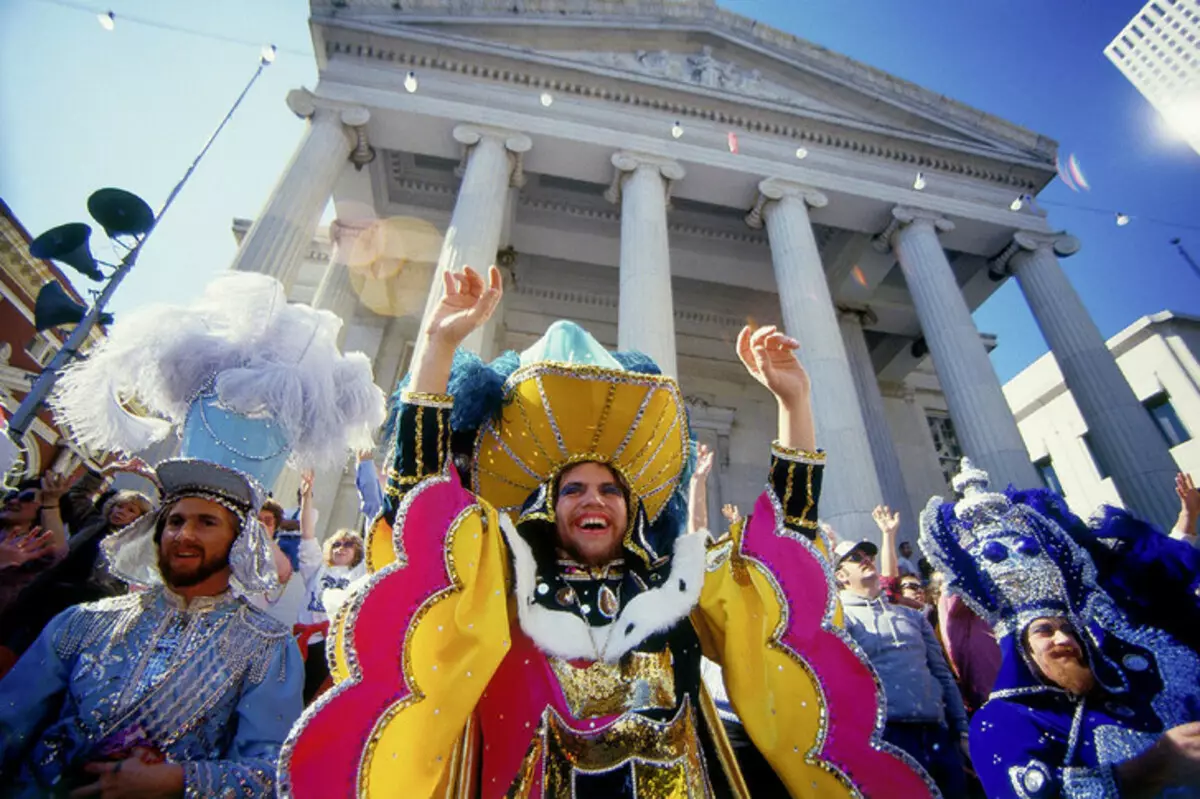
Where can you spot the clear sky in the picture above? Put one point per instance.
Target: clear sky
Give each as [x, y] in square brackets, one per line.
[82, 108]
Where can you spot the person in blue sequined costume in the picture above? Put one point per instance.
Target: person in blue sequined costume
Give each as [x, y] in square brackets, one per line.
[1087, 703]
[183, 689]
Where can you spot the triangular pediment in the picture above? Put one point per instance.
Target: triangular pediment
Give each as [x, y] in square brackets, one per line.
[729, 64]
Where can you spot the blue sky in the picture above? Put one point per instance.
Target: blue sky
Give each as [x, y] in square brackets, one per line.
[81, 108]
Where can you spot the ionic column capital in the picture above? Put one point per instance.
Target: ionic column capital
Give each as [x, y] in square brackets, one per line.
[904, 216]
[515, 143]
[1062, 245]
[775, 189]
[354, 118]
[626, 163]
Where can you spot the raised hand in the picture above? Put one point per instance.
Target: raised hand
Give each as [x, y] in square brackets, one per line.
[17, 550]
[731, 513]
[887, 520]
[1189, 497]
[769, 356]
[54, 485]
[704, 463]
[465, 306]
[306, 483]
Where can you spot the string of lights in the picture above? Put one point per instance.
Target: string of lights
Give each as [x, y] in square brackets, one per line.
[109, 19]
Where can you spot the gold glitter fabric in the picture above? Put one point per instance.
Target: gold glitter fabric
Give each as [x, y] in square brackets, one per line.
[664, 757]
[641, 681]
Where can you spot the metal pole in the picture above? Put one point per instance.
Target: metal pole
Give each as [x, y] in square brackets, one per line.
[41, 388]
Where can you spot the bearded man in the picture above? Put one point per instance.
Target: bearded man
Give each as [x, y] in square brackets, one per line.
[1086, 704]
[183, 689]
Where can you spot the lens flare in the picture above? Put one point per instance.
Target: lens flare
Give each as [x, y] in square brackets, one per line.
[859, 277]
[391, 263]
[731, 138]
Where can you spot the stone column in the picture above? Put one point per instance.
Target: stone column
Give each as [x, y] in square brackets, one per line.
[1121, 431]
[284, 229]
[879, 434]
[984, 424]
[851, 488]
[492, 164]
[645, 314]
[335, 292]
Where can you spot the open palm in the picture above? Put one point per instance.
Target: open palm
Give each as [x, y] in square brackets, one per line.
[465, 306]
[770, 357]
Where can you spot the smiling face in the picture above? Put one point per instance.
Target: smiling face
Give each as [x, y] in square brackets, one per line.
[591, 514]
[193, 552]
[1054, 648]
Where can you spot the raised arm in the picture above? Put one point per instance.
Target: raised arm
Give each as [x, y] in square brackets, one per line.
[770, 358]
[796, 468]
[422, 443]
[698, 492]
[54, 485]
[1189, 508]
[465, 306]
[888, 522]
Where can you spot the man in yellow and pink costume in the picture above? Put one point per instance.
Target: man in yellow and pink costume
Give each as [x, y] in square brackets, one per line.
[535, 613]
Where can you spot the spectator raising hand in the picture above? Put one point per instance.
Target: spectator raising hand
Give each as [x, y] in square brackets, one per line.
[698, 490]
[1189, 508]
[17, 550]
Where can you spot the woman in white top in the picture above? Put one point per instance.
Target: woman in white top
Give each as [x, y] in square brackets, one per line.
[331, 568]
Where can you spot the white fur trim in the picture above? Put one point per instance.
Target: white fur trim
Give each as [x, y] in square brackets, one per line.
[562, 634]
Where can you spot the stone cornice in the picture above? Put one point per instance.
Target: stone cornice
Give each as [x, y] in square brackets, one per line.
[601, 87]
[701, 15]
[580, 297]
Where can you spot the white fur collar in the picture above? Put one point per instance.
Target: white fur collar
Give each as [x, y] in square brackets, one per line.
[560, 633]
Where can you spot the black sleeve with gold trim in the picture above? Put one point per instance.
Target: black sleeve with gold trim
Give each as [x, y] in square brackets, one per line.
[422, 444]
[795, 479]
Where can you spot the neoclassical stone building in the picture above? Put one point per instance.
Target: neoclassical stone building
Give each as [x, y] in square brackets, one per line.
[663, 171]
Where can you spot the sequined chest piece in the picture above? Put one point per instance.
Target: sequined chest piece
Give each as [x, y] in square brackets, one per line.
[596, 595]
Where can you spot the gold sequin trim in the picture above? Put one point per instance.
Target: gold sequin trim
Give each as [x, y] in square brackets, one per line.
[792, 454]
[427, 400]
[641, 681]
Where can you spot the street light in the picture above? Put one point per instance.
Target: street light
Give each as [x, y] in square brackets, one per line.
[125, 218]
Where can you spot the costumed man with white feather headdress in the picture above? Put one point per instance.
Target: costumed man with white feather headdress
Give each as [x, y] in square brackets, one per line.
[540, 635]
[185, 689]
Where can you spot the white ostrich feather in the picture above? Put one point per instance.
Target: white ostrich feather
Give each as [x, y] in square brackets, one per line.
[262, 354]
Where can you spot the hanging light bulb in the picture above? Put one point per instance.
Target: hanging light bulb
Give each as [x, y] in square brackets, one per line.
[267, 54]
[1122, 219]
[919, 183]
[801, 153]
[410, 82]
[107, 20]
[1016, 204]
[676, 130]
[547, 99]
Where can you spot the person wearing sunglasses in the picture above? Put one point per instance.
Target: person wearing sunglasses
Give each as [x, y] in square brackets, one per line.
[925, 713]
